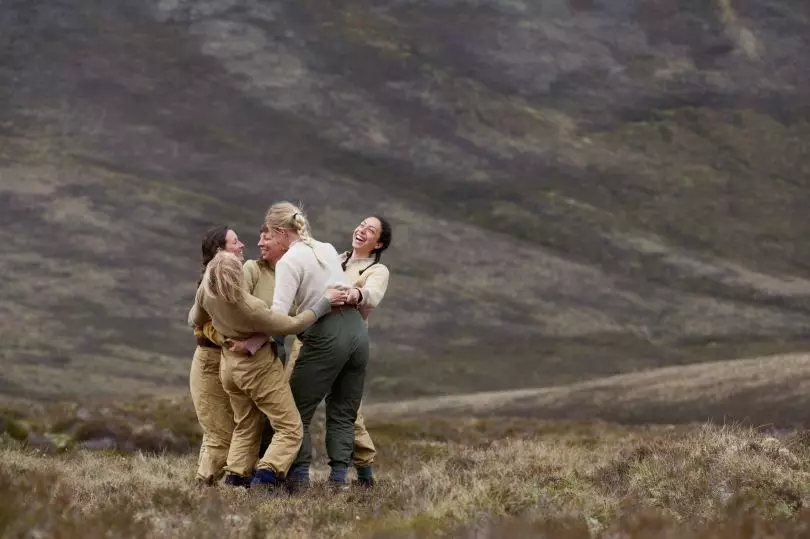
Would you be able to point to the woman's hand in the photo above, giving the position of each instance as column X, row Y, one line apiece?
column 249, row 346
column 336, row 296
column 238, row 347
column 353, row 296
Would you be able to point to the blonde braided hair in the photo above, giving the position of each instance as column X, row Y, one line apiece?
column 286, row 215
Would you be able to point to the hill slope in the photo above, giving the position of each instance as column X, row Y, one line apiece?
column 579, row 188
column 757, row 391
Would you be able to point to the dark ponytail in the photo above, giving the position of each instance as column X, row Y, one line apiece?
column 213, row 241
column 385, row 241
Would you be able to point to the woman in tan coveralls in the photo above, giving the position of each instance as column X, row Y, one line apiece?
column 257, row 385
column 364, row 271
column 260, row 280
column 211, row 403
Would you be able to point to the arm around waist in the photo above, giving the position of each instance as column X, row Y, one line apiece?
column 263, row 320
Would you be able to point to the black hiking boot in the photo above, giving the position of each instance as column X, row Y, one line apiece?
column 233, row 480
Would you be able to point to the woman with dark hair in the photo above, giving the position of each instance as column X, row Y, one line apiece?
column 364, row 271
column 211, row 403
column 362, row 265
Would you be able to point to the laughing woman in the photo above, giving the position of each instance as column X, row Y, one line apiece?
column 257, row 385
column 211, row 403
column 364, row 271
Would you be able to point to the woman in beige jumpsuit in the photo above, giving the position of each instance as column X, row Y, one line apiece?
column 257, row 385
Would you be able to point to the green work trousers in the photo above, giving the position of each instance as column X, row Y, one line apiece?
column 332, row 365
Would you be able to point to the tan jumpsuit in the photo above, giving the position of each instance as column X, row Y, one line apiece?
column 256, row 385
column 212, row 405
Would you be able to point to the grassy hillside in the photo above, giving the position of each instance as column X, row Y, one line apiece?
column 579, row 188
column 769, row 393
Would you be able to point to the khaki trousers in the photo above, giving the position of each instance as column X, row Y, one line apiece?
column 364, row 450
column 214, row 413
column 257, row 386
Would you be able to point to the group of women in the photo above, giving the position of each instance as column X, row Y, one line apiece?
column 255, row 402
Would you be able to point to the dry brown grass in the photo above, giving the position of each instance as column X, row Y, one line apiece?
column 442, row 477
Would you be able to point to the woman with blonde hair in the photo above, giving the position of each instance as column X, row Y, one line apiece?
column 363, row 269
column 257, row 385
column 334, row 351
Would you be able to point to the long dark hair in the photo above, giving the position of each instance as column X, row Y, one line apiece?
column 214, row 240
column 384, row 241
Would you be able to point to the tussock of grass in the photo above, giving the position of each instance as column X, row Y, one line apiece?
column 495, row 478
